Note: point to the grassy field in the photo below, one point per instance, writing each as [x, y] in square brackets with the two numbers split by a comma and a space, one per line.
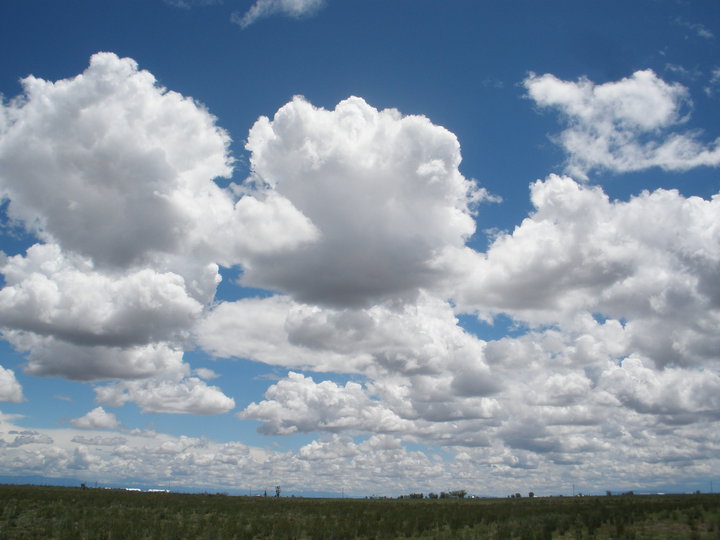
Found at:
[61, 512]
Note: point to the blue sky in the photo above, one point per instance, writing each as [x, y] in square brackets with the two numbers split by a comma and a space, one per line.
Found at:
[398, 246]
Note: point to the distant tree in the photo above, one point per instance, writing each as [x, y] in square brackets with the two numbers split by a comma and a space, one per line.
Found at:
[265, 495]
[458, 494]
[608, 493]
[531, 494]
[444, 495]
[517, 495]
[432, 495]
[277, 491]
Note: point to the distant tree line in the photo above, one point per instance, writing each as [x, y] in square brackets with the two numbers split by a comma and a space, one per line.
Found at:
[456, 494]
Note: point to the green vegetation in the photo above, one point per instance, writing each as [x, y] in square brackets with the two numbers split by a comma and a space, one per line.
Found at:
[61, 512]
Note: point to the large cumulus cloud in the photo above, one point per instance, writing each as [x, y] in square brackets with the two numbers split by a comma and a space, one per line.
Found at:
[114, 176]
[647, 262]
[113, 166]
[121, 150]
[383, 190]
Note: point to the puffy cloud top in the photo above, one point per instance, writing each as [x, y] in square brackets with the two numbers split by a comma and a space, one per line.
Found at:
[10, 388]
[98, 418]
[116, 175]
[123, 155]
[112, 166]
[384, 191]
[648, 260]
[298, 404]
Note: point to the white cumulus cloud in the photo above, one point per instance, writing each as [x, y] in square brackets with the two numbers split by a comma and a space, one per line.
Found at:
[113, 161]
[625, 125]
[98, 418]
[188, 395]
[49, 293]
[114, 175]
[299, 404]
[649, 262]
[113, 166]
[10, 388]
[383, 190]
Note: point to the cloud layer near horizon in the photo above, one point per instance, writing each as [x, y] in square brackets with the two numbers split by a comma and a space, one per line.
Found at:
[357, 220]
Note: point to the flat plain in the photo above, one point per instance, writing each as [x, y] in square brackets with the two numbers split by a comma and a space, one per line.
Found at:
[69, 512]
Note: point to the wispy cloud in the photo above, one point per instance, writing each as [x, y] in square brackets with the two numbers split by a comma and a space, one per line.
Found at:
[187, 4]
[265, 8]
[699, 29]
[713, 85]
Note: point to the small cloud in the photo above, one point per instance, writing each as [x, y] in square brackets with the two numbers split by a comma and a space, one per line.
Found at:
[714, 83]
[187, 4]
[205, 373]
[265, 8]
[625, 125]
[96, 419]
[699, 29]
[683, 72]
[63, 398]
[491, 82]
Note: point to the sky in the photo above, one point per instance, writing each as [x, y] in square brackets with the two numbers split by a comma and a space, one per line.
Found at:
[361, 247]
